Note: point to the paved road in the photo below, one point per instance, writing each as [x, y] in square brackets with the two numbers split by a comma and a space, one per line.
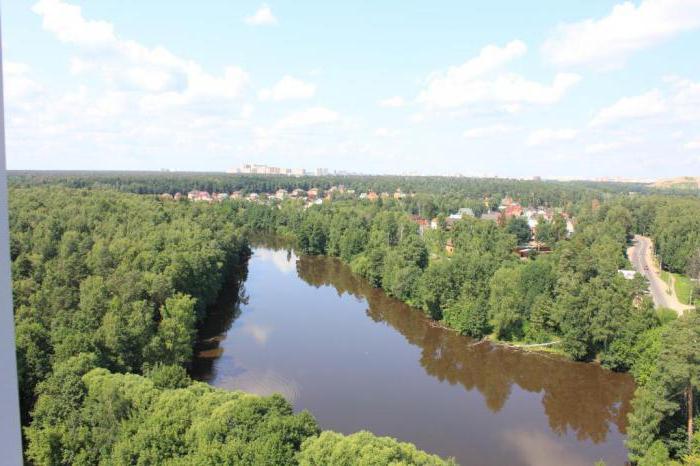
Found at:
[640, 254]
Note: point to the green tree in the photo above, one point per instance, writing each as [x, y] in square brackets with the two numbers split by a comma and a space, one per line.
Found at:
[506, 310]
[168, 376]
[519, 227]
[172, 343]
[363, 448]
[679, 363]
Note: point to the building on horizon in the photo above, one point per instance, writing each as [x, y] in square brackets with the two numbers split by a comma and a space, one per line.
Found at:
[260, 169]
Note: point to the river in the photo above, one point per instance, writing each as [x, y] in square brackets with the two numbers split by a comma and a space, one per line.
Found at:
[307, 328]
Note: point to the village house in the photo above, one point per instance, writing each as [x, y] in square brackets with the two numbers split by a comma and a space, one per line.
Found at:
[281, 194]
[423, 224]
[253, 196]
[449, 247]
[236, 195]
[398, 194]
[513, 210]
[494, 216]
[569, 227]
[166, 197]
[372, 196]
[450, 222]
[532, 222]
[312, 202]
[177, 196]
[297, 193]
[199, 196]
[312, 193]
[461, 213]
[220, 196]
[524, 252]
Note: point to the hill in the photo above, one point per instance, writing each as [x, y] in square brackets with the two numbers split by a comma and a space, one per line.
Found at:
[683, 182]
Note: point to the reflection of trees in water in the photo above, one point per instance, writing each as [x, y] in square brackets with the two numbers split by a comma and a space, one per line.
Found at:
[271, 241]
[582, 397]
[220, 316]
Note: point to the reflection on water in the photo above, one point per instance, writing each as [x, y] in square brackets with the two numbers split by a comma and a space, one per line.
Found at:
[220, 316]
[481, 403]
[262, 382]
[259, 333]
[580, 397]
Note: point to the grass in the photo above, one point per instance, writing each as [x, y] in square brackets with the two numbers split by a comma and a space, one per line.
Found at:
[666, 315]
[666, 277]
[683, 286]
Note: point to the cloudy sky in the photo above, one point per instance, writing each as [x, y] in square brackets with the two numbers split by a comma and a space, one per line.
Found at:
[508, 88]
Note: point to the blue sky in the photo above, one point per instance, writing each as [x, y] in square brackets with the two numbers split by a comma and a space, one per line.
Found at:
[559, 89]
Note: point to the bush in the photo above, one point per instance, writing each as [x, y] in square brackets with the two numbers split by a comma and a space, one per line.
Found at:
[363, 449]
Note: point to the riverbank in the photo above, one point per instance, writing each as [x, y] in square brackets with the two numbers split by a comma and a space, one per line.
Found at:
[310, 329]
[286, 241]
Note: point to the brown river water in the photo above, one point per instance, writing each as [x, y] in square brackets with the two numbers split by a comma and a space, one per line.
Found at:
[307, 328]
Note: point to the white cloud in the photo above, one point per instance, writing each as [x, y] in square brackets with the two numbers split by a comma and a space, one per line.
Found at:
[386, 133]
[393, 102]
[641, 106]
[308, 117]
[288, 88]
[545, 136]
[18, 84]
[626, 29]
[262, 17]
[685, 98]
[490, 58]
[145, 102]
[481, 79]
[15, 68]
[163, 77]
[417, 118]
[67, 23]
[600, 147]
[486, 131]
[692, 145]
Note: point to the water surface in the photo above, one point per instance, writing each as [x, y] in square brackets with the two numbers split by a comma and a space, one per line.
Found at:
[307, 328]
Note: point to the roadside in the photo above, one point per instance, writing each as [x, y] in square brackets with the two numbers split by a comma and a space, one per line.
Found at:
[640, 255]
[681, 284]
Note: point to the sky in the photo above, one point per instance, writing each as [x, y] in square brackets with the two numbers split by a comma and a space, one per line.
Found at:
[574, 89]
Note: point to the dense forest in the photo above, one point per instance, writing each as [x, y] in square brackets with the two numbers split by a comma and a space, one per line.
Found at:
[528, 191]
[110, 282]
[573, 296]
[108, 285]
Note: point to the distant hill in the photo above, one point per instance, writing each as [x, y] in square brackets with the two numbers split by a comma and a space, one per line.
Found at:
[683, 182]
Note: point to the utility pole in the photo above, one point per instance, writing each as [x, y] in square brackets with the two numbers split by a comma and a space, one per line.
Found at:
[10, 436]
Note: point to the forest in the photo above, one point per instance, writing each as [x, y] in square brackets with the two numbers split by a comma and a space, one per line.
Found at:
[573, 296]
[108, 291]
[110, 283]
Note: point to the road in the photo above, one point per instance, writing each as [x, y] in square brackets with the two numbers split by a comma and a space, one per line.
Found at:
[640, 254]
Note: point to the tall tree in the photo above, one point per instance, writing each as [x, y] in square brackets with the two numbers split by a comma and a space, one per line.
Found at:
[679, 363]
